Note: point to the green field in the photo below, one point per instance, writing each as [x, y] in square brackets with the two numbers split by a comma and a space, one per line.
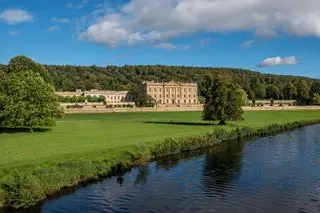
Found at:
[90, 144]
[79, 136]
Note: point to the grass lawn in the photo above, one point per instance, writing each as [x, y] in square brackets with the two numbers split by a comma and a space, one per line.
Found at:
[86, 136]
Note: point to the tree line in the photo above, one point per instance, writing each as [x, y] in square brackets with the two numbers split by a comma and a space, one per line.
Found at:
[256, 85]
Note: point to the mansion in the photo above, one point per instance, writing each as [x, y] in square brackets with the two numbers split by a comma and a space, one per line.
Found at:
[172, 93]
[165, 94]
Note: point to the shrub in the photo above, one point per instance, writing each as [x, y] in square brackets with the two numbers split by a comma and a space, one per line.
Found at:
[23, 191]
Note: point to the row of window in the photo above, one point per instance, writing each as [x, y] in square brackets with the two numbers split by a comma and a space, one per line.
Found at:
[172, 89]
[177, 102]
[173, 96]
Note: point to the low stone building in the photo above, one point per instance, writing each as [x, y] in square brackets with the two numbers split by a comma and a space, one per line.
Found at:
[111, 97]
[172, 93]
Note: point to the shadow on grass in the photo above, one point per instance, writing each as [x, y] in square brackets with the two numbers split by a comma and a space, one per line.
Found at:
[22, 130]
[181, 123]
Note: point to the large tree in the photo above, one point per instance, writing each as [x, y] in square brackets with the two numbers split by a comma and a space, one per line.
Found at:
[27, 100]
[303, 93]
[290, 91]
[22, 63]
[223, 101]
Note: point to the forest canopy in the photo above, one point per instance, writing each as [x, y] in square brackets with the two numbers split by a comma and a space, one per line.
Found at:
[256, 85]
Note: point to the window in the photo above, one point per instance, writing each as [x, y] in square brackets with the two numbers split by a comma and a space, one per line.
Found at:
[194, 96]
[160, 96]
[189, 96]
[167, 100]
[155, 96]
[172, 95]
[185, 95]
[189, 101]
[111, 97]
[185, 101]
[184, 89]
[160, 90]
[149, 89]
[167, 95]
[178, 96]
[155, 89]
[189, 89]
[118, 97]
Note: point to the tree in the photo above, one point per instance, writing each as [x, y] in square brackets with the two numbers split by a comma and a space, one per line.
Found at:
[273, 92]
[303, 93]
[28, 101]
[23, 63]
[251, 95]
[315, 88]
[144, 100]
[314, 91]
[290, 91]
[260, 91]
[223, 101]
[316, 99]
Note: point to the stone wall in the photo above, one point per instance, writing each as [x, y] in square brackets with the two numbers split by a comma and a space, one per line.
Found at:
[102, 109]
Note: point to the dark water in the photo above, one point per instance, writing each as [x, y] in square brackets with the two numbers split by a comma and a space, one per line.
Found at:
[273, 174]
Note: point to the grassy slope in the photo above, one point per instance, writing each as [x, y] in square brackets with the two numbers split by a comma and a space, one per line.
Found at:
[79, 136]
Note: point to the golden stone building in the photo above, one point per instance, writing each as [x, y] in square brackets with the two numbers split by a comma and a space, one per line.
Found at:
[172, 93]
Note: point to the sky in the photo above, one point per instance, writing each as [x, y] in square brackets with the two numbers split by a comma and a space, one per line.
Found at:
[270, 36]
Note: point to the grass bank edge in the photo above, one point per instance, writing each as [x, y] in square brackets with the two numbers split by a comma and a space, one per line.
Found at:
[28, 188]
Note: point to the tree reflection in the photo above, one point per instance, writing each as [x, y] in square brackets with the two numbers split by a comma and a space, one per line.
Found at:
[143, 172]
[221, 168]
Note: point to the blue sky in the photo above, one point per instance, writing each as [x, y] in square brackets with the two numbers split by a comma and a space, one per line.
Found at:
[272, 36]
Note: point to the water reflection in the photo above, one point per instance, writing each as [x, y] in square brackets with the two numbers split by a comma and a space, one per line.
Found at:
[221, 168]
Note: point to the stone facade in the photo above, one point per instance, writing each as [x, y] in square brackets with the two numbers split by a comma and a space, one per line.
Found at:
[165, 94]
[110, 96]
[172, 93]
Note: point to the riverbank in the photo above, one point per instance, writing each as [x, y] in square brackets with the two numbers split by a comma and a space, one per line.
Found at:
[87, 147]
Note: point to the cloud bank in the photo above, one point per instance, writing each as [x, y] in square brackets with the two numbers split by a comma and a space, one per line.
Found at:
[15, 16]
[276, 61]
[157, 21]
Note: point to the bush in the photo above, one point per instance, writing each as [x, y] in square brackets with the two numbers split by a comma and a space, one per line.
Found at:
[23, 191]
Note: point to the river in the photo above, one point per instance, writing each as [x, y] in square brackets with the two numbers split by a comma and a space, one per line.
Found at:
[266, 175]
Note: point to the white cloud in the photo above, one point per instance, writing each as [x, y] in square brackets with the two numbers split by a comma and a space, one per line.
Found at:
[13, 32]
[54, 28]
[276, 61]
[77, 6]
[15, 16]
[158, 21]
[166, 46]
[247, 43]
[60, 20]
